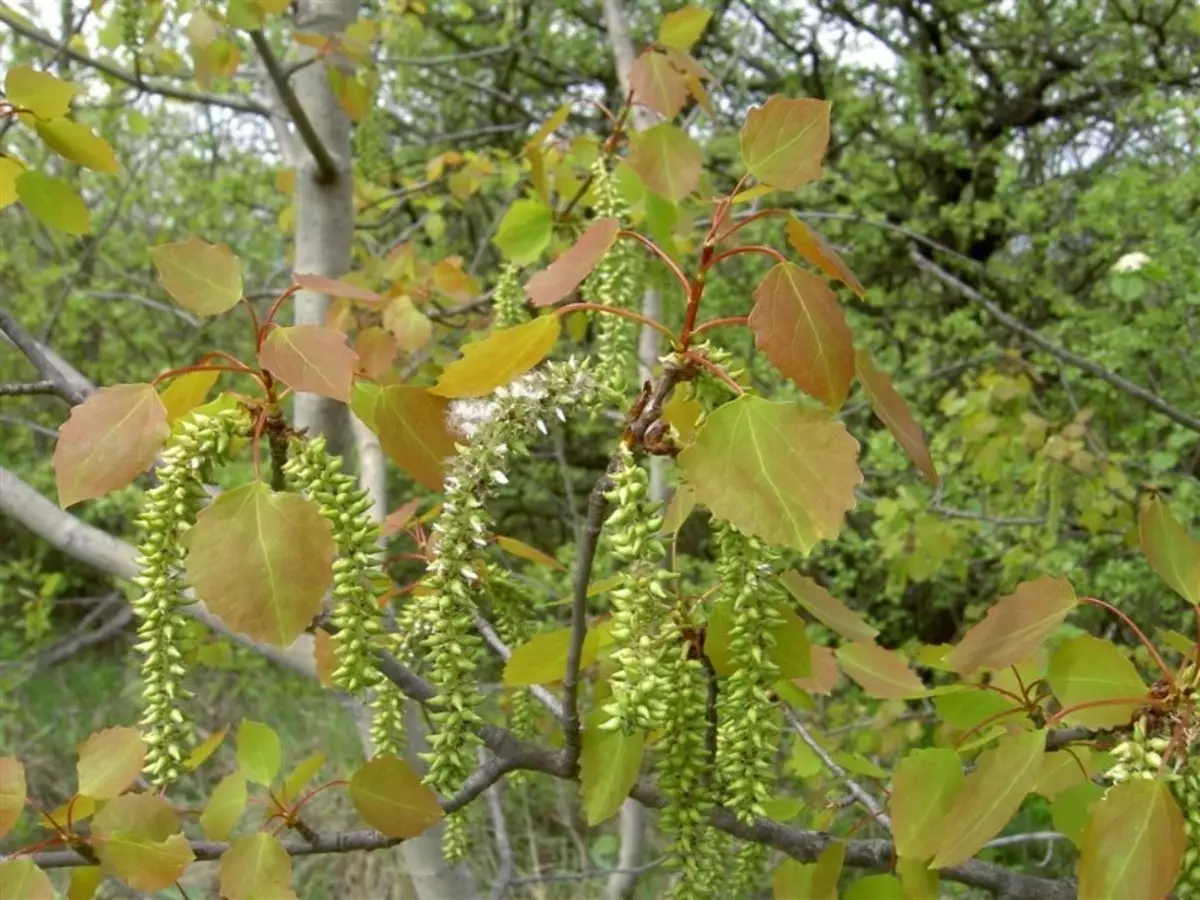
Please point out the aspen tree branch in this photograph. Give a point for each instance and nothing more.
(861, 794)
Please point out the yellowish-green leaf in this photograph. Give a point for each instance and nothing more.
(1170, 550)
(12, 792)
(875, 887)
(543, 659)
(256, 867)
(1015, 626)
(681, 28)
(608, 767)
(1133, 845)
(683, 502)
(547, 128)
(43, 94)
(924, 786)
(310, 358)
(784, 140)
(412, 427)
(138, 840)
(303, 772)
(813, 249)
(494, 361)
(1064, 769)
(916, 880)
(792, 880)
(225, 806)
(1087, 670)
(790, 650)
(20, 879)
(259, 752)
(261, 561)
(53, 202)
(10, 170)
(85, 881)
(526, 552)
(880, 673)
(205, 749)
(110, 761)
(525, 231)
(828, 609)
(783, 809)
(203, 278)
(1072, 808)
(667, 160)
(79, 144)
(390, 797)
(187, 391)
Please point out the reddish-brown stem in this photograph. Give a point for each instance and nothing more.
(253, 316)
(1154, 654)
(71, 813)
(279, 301)
(39, 846)
(618, 311)
(753, 217)
(219, 354)
(171, 373)
(990, 720)
(751, 248)
(723, 206)
(661, 254)
(256, 440)
(719, 323)
(716, 370)
(996, 689)
(1113, 701)
(295, 811)
(608, 113)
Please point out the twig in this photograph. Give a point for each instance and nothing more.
(503, 878)
(33, 351)
(27, 389)
(860, 793)
(547, 699)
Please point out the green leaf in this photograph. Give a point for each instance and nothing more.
(524, 551)
(10, 171)
(667, 160)
(12, 792)
(391, 799)
(310, 358)
(20, 879)
(966, 708)
(303, 772)
(803, 761)
(46, 96)
(990, 796)
(1015, 626)
(525, 231)
(799, 325)
(826, 608)
(608, 767)
(109, 439)
(1072, 808)
(259, 752)
(813, 249)
(881, 673)
(225, 807)
(256, 867)
(363, 397)
(1169, 549)
(777, 471)
(792, 880)
(543, 658)
(783, 809)
(567, 272)
(655, 81)
(681, 28)
(53, 202)
(261, 561)
(187, 391)
(683, 502)
(79, 144)
(411, 328)
(205, 749)
(784, 141)
(1133, 845)
(1064, 769)
(857, 764)
(85, 881)
(919, 882)
(828, 870)
(110, 761)
(203, 278)
(924, 785)
(1086, 669)
(891, 409)
(875, 887)
(137, 839)
(412, 427)
(494, 361)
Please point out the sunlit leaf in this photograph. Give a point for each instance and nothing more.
(1072, 808)
(667, 160)
(990, 796)
(784, 140)
(203, 278)
(412, 427)
(526, 552)
(376, 350)
(256, 867)
(187, 391)
(110, 761)
(964, 709)
(825, 674)
(79, 144)
(495, 360)
(525, 231)
(450, 278)
(45, 95)
(880, 673)
(608, 767)
(85, 881)
(828, 869)
(225, 806)
(303, 772)
(411, 328)
(777, 471)
(828, 609)
(681, 28)
(1169, 549)
(389, 796)
(109, 439)
(683, 502)
(875, 887)
(205, 749)
(138, 840)
(799, 324)
(924, 785)
(259, 752)
(1015, 626)
(543, 658)
(1064, 769)
(335, 287)
(657, 83)
(1133, 845)
(547, 128)
(783, 809)
(310, 358)
(53, 202)
(792, 880)
(895, 414)
(567, 272)
(352, 95)
(917, 881)
(21, 879)
(10, 171)
(1085, 670)
(261, 561)
(12, 792)
(813, 249)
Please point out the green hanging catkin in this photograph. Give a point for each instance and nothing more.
(509, 307)
(200, 443)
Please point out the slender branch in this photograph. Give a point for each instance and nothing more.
(860, 793)
(40, 359)
(750, 248)
(547, 699)
(27, 389)
(327, 170)
(503, 878)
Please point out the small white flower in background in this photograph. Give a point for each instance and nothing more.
(1131, 262)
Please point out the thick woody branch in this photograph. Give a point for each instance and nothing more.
(52, 375)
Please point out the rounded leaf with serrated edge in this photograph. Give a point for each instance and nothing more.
(658, 83)
(893, 411)
(225, 806)
(990, 796)
(79, 144)
(256, 867)
(1169, 549)
(784, 140)
(924, 785)
(828, 609)
(109, 439)
(203, 278)
(1086, 670)
(609, 765)
(21, 879)
(881, 673)
(413, 430)
(390, 797)
(525, 231)
(1133, 844)
(567, 272)
(110, 761)
(261, 561)
(1015, 626)
(494, 361)
(777, 471)
(310, 358)
(799, 325)
(12, 792)
(259, 752)
(667, 160)
(54, 202)
(45, 95)
(138, 840)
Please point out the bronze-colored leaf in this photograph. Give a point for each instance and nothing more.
(310, 358)
(567, 272)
